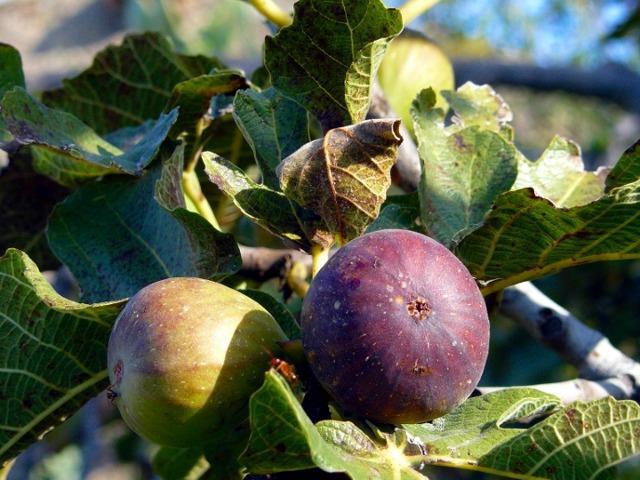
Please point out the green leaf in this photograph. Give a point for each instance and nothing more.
(193, 96)
(273, 125)
(268, 208)
(559, 175)
(116, 238)
(344, 177)
(585, 440)
(26, 200)
(171, 463)
(284, 439)
(463, 169)
(278, 311)
(327, 59)
(79, 153)
(627, 170)
(525, 237)
(481, 106)
(477, 426)
(53, 353)
(127, 84)
(11, 75)
(399, 211)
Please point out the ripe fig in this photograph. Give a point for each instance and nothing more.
(184, 357)
(395, 328)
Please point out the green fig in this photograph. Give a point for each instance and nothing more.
(184, 356)
(411, 64)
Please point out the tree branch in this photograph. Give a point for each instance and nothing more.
(604, 368)
(264, 263)
(612, 82)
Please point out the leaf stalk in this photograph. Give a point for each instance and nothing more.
(193, 192)
(272, 12)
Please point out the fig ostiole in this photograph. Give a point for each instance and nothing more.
(395, 328)
(185, 355)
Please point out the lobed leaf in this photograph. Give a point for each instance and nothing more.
(116, 238)
(477, 426)
(273, 125)
(127, 84)
(78, 152)
(344, 177)
(327, 59)
(584, 441)
(53, 353)
(559, 175)
(464, 167)
(525, 237)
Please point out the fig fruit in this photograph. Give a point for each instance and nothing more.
(395, 328)
(185, 355)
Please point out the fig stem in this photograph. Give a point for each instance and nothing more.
(194, 195)
(272, 12)
(319, 256)
(412, 9)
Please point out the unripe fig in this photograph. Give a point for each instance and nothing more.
(395, 328)
(184, 357)
(412, 63)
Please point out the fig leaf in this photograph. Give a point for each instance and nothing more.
(328, 66)
(80, 154)
(53, 353)
(116, 238)
(273, 125)
(463, 169)
(128, 83)
(344, 177)
(559, 175)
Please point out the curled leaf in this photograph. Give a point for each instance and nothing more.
(344, 177)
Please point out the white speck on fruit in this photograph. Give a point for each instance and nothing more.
(336, 305)
(454, 343)
(389, 288)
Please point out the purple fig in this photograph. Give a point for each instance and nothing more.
(395, 328)
(184, 357)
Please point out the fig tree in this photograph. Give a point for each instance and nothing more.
(395, 328)
(184, 357)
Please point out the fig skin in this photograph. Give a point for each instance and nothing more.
(395, 328)
(185, 355)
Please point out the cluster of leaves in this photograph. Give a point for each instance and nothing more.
(104, 177)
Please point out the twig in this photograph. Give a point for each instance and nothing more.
(263, 263)
(604, 369)
(580, 389)
(408, 165)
